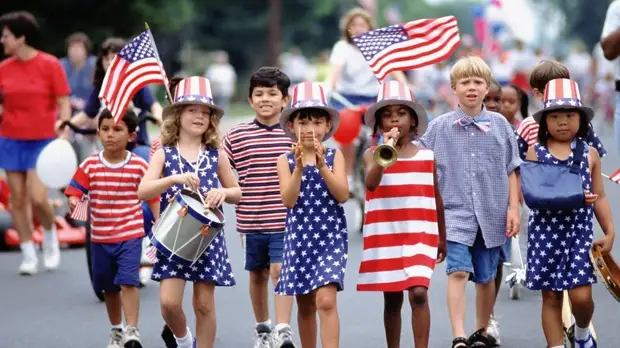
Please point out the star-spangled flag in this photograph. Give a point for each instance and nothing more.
(134, 67)
(80, 211)
(615, 177)
(409, 46)
(151, 253)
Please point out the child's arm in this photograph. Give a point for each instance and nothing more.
(441, 219)
(230, 189)
(602, 210)
(374, 172)
(78, 187)
(289, 182)
(335, 180)
(153, 184)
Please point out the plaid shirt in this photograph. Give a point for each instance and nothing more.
(472, 170)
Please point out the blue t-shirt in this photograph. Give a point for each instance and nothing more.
(80, 81)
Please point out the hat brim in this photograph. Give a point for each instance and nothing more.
(588, 112)
(286, 113)
(369, 116)
(170, 109)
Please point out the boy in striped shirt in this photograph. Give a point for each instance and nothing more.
(110, 178)
(253, 149)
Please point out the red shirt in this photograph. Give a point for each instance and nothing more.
(31, 90)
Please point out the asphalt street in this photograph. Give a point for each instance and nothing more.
(60, 310)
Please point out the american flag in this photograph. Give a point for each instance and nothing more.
(409, 46)
(615, 177)
(134, 67)
(80, 211)
(151, 253)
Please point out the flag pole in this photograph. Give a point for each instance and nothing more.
(161, 65)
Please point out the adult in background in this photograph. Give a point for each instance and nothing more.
(36, 101)
(351, 76)
(223, 80)
(610, 41)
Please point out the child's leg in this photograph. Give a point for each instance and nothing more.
(458, 267)
(171, 303)
(552, 317)
(257, 263)
(114, 307)
(204, 308)
(103, 272)
(128, 256)
(421, 316)
(485, 261)
(327, 307)
(392, 306)
(583, 308)
(306, 319)
(283, 304)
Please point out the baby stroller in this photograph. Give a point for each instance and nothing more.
(516, 278)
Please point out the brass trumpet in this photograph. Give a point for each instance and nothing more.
(385, 154)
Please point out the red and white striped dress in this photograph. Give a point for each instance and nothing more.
(400, 227)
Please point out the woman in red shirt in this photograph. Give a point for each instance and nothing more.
(35, 101)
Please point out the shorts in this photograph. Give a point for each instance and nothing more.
(505, 252)
(116, 264)
(18, 155)
(477, 260)
(262, 250)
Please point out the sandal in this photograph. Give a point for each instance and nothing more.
(569, 336)
(477, 339)
(460, 342)
(582, 344)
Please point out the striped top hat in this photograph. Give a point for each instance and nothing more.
(308, 95)
(195, 90)
(397, 93)
(562, 94)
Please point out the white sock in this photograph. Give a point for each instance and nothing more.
(28, 250)
(117, 327)
(49, 236)
(267, 323)
(562, 346)
(282, 326)
(581, 333)
(186, 341)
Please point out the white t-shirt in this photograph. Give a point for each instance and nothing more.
(604, 66)
(612, 23)
(222, 78)
(356, 77)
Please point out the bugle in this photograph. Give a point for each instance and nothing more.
(385, 154)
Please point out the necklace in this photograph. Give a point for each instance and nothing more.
(108, 211)
(201, 156)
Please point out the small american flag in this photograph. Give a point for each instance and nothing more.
(134, 67)
(80, 211)
(409, 46)
(615, 177)
(151, 253)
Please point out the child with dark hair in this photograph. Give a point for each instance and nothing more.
(514, 101)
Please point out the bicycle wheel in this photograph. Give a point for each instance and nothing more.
(89, 262)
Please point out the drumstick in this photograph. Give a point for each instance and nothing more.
(301, 148)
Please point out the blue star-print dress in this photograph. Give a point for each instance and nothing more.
(316, 240)
(214, 265)
(559, 241)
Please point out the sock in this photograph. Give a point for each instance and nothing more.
(49, 236)
(562, 346)
(266, 323)
(581, 333)
(186, 341)
(28, 250)
(117, 327)
(282, 326)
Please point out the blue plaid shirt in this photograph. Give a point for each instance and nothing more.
(472, 170)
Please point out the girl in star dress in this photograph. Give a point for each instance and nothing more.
(313, 185)
(404, 228)
(190, 158)
(559, 241)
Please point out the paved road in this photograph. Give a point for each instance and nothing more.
(60, 310)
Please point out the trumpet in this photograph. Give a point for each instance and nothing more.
(385, 154)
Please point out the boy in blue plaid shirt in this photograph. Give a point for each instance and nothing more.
(476, 155)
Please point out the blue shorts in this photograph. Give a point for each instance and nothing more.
(505, 253)
(116, 264)
(20, 155)
(477, 260)
(262, 250)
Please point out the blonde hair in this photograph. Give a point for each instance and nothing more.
(345, 21)
(171, 128)
(470, 66)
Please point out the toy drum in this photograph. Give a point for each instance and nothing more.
(184, 230)
(607, 271)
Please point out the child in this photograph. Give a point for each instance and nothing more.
(564, 264)
(542, 73)
(493, 100)
(514, 100)
(116, 225)
(190, 158)
(480, 192)
(253, 149)
(404, 229)
(313, 183)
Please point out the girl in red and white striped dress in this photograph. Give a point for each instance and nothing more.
(404, 230)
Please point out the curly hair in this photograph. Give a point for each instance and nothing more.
(171, 128)
(345, 21)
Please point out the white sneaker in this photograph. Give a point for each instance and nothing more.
(493, 332)
(263, 337)
(51, 256)
(132, 338)
(116, 339)
(29, 266)
(283, 338)
(145, 274)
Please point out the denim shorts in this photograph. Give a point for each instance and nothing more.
(262, 250)
(505, 253)
(477, 260)
(116, 264)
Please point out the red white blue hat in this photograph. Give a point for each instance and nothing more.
(308, 95)
(396, 93)
(562, 94)
(195, 90)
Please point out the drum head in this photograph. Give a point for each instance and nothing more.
(607, 270)
(195, 203)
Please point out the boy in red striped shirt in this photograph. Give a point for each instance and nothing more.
(110, 178)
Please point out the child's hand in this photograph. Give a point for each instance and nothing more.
(319, 150)
(214, 198)
(298, 154)
(513, 223)
(441, 251)
(190, 179)
(73, 202)
(590, 198)
(606, 243)
(392, 134)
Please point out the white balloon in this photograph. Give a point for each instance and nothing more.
(56, 164)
